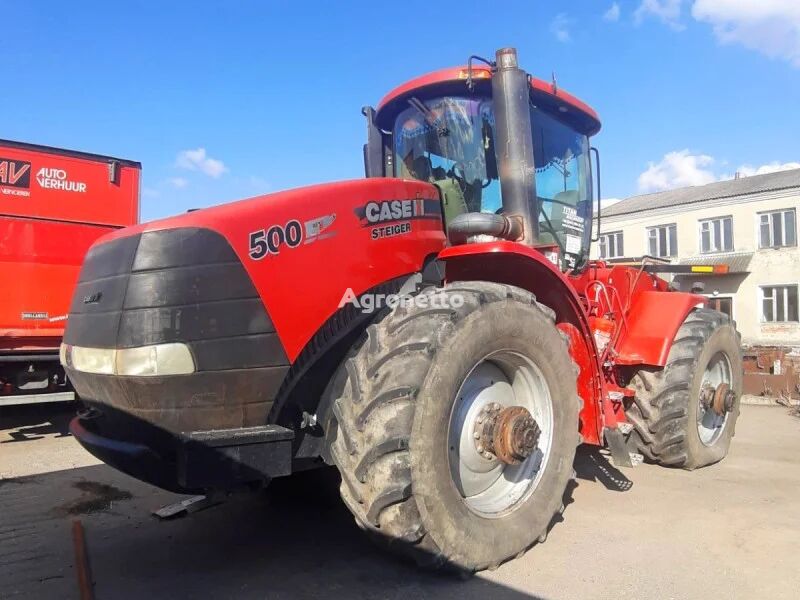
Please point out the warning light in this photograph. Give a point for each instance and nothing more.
(719, 269)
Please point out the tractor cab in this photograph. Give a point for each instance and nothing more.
(443, 129)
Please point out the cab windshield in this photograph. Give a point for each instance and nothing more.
(449, 141)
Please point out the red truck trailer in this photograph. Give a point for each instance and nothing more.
(54, 204)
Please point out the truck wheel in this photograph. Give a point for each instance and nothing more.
(457, 426)
(684, 415)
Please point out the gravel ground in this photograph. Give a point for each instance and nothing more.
(727, 531)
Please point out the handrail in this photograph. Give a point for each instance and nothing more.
(623, 322)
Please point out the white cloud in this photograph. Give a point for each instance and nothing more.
(677, 169)
(150, 192)
(773, 167)
(667, 11)
(198, 160)
(559, 27)
(178, 182)
(682, 169)
(771, 27)
(612, 14)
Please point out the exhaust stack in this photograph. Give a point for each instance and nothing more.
(514, 143)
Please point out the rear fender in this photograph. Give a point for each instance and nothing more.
(518, 265)
(652, 322)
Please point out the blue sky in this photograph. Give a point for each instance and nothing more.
(221, 101)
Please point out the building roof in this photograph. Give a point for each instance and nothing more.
(738, 262)
(721, 189)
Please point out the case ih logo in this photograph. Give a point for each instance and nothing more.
(389, 218)
(15, 173)
(57, 179)
(387, 211)
(393, 210)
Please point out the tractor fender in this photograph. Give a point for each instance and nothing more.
(524, 267)
(514, 264)
(651, 324)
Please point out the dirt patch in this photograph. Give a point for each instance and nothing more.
(94, 497)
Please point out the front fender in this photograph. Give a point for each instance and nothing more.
(524, 267)
(514, 264)
(652, 322)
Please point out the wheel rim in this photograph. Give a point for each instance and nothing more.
(710, 424)
(488, 486)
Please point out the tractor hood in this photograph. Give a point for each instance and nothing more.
(196, 322)
(295, 252)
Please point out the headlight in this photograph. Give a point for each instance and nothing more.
(92, 360)
(160, 359)
(63, 355)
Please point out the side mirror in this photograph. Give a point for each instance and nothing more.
(373, 149)
(596, 152)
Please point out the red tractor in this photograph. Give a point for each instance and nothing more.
(436, 331)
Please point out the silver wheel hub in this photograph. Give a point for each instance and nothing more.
(500, 433)
(717, 399)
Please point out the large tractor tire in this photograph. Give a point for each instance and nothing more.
(435, 463)
(684, 415)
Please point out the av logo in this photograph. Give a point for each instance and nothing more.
(15, 173)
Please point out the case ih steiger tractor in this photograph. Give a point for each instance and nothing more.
(229, 346)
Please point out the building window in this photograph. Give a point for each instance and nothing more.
(723, 304)
(777, 229)
(662, 240)
(716, 235)
(778, 303)
(611, 245)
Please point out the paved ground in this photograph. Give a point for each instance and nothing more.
(728, 531)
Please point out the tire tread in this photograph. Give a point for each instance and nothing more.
(374, 415)
(659, 412)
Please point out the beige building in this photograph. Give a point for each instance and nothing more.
(748, 224)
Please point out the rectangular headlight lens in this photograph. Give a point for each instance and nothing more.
(137, 361)
(92, 360)
(64, 355)
(159, 359)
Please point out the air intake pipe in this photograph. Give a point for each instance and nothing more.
(468, 227)
(514, 143)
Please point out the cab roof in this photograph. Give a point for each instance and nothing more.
(453, 81)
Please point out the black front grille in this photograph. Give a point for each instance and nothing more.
(175, 285)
